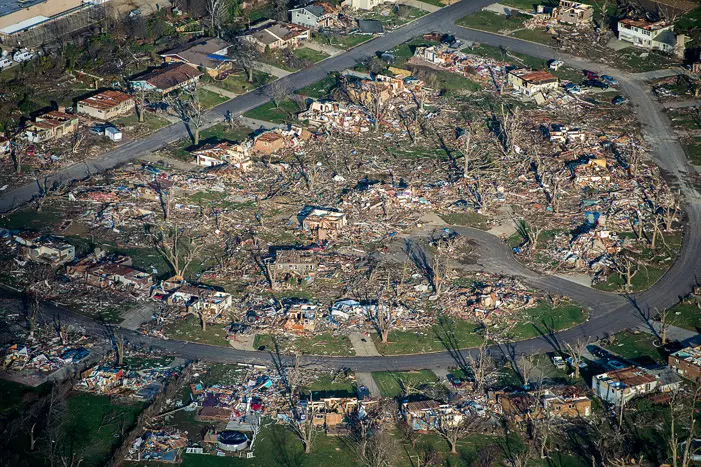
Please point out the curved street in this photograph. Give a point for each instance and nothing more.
(609, 312)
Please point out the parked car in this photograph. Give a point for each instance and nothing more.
(22, 55)
(619, 100)
(595, 83)
(610, 80)
(573, 88)
(5, 62)
(456, 44)
(555, 64)
(448, 39)
(591, 74)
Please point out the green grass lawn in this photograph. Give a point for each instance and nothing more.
(406, 342)
(16, 396)
(277, 60)
(189, 329)
(438, 3)
(238, 82)
(32, 219)
(636, 347)
(544, 317)
(493, 22)
(214, 134)
(528, 5)
(535, 35)
(466, 219)
(325, 387)
(152, 122)
(686, 315)
(269, 113)
(693, 150)
(453, 83)
(320, 344)
(342, 41)
(210, 99)
(85, 414)
(321, 88)
(398, 15)
(642, 281)
(389, 382)
(305, 53)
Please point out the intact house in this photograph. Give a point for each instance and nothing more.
(167, 79)
(687, 363)
(573, 13)
(652, 36)
(322, 223)
(208, 54)
(236, 155)
(532, 82)
(107, 105)
(620, 386)
(315, 16)
(276, 35)
(51, 125)
(362, 4)
(45, 249)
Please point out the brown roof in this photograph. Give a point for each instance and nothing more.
(642, 24)
(631, 376)
(422, 405)
(269, 136)
(199, 52)
(170, 76)
(535, 76)
(105, 100)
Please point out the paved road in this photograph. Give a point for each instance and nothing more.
(609, 312)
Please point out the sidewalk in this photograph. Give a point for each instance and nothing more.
(421, 5)
(220, 91)
(255, 124)
(674, 333)
(271, 70)
(327, 49)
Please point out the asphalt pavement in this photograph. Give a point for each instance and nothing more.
(609, 312)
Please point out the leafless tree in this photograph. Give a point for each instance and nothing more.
(178, 246)
(243, 54)
(665, 319)
(576, 350)
(371, 95)
(18, 149)
(530, 233)
(627, 266)
(140, 103)
(279, 91)
(217, 11)
(681, 449)
(190, 110)
(119, 348)
(454, 427)
(373, 444)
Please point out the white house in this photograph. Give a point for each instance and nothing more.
(363, 4)
(652, 36)
(315, 16)
(620, 386)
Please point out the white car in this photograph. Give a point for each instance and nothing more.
(22, 55)
(5, 62)
(555, 64)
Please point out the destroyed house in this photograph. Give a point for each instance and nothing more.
(51, 125)
(200, 299)
(277, 35)
(301, 317)
(620, 386)
(566, 402)
(687, 363)
(532, 82)
(428, 414)
(167, 79)
(106, 105)
(315, 16)
(45, 249)
(573, 13)
(236, 155)
(269, 142)
(208, 54)
(322, 223)
(519, 406)
(296, 262)
(111, 275)
(332, 413)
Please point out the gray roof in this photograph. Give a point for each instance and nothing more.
(10, 6)
(315, 10)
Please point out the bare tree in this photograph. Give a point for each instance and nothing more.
(682, 451)
(374, 445)
(627, 266)
(217, 11)
(18, 149)
(244, 55)
(177, 245)
(279, 90)
(576, 350)
(371, 95)
(303, 425)
(454, 427)
(140, 103)
(665, 319)
(190, 110)
(119, 348)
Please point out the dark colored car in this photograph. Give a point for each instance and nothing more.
(619, 100)
(595, 83)
(455, 381)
